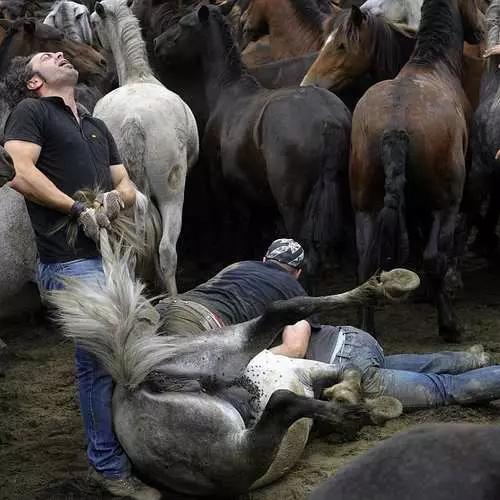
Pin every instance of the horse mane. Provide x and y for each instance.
(439, 34)
(388, 56)
(234, 63)
(308, 12)
(130, 39)
(493, 24)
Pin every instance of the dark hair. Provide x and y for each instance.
(13, 83)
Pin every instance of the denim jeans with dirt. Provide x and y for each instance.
(95, 385)
(419, 380)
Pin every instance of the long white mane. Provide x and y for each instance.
(120, 31)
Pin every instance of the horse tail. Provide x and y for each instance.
(111, 318)
(389, 245)
(324, 213)
(147, 216)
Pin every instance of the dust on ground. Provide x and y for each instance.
(42, 452)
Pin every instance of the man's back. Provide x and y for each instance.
(243, 290)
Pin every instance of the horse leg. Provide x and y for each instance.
(171, 213)
(365, 223)
(260, 443)
(441, 265)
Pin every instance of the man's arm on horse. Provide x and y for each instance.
(295, 340)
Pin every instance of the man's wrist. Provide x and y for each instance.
(76, 209)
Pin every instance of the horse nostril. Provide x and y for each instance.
(102, 62)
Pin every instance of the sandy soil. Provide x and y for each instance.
(41, 440)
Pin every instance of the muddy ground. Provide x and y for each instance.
(41, 440)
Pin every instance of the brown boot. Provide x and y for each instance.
(129, 487)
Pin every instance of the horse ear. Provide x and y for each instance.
(203, 13)
(357, 16)
(100, 10)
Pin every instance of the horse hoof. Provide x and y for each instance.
(398, 283)
(384, 408)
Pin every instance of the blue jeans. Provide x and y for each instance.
(95, 385)
(419, 380)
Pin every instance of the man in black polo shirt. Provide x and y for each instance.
(242, 291)
(58, 149)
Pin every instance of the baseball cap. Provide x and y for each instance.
(287, 251)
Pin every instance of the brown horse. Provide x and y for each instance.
(407, 165)
(361, 45)
(23, 37)
(294, 27)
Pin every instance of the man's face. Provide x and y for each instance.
(53, 70)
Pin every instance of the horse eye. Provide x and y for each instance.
(341, 46)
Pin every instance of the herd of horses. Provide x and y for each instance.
(369, 127)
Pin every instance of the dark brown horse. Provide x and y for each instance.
(294, 27)
(483, 183)
(362, 45)
(407, 165)
(281, 151)
(23, 37)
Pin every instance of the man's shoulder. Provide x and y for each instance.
(29, 103)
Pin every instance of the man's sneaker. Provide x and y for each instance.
(130, 487)
(482, 357)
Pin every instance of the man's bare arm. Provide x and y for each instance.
(31, 182)
(123, 184)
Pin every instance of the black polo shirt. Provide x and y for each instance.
(73, 156)
(244, 290)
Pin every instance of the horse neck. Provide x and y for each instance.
(5, 50)
(440, 38)
(290, 35)
(391, 53)
(129, 49)
(225, 75)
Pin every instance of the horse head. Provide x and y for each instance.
(254, 21)
(39, 37)
(346, 54)
(473, 21)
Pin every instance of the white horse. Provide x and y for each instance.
(73, 19)
(398, 11)
(154, 129)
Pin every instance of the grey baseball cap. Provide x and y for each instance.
(287, 251)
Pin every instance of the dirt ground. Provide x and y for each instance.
(41, 440)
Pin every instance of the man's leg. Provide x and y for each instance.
(440, 362)
(427, 390)
(295, 340)
(95, 386)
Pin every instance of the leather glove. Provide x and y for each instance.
(111, 203)
(91, 220)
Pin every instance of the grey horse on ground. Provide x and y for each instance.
(203, 414)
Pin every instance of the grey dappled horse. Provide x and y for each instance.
(202, 414)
